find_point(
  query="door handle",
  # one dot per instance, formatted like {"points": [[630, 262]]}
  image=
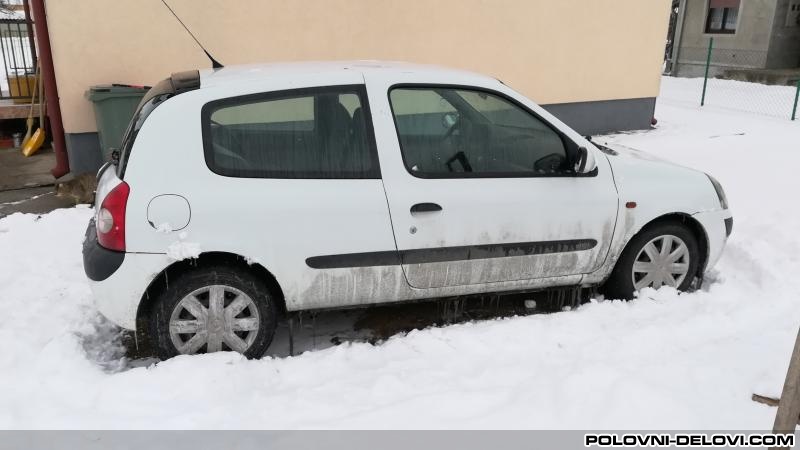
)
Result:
{"points": [[425, 207]]}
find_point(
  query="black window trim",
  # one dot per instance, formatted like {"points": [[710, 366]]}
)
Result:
{"points": [[570, 146], [373, 173]]}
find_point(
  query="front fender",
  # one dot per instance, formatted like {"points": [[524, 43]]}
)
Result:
{"points": [[650, 189]]}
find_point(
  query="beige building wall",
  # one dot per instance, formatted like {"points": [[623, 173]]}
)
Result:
{"points": [[555, 51]]}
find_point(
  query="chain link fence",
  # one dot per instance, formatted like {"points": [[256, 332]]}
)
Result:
{"points": [[775, 93]]}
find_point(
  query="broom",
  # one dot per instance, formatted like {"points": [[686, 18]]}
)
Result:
{"points": [[29, 122]]}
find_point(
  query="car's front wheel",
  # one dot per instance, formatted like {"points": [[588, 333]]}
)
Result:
{"points": [[660, 255], [214, 309]]}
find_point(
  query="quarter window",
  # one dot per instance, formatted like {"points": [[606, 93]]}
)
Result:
{"points": [[310, 133], [452, 132]]}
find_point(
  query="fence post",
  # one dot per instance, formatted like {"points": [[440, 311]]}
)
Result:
{"points": [[796, 95], [708, 63], [789, 405]]}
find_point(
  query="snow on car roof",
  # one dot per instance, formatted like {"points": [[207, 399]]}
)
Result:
{"points": [[244, 72]]}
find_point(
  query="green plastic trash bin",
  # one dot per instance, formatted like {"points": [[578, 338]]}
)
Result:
{"points": [[114, 106]]}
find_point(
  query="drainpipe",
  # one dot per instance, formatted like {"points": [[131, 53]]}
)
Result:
{"points": [[51, 90]]}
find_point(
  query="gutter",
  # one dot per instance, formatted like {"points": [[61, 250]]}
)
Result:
{"points": [[50, 88]]}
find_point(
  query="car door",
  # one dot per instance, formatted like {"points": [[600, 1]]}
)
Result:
{"points": [[481, 190]]}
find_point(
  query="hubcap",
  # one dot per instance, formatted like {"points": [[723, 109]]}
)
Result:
{"points": [[662, 261], [214, 318]]}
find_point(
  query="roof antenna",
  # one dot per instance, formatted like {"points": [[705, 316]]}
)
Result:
{"points": [[214, 63]]}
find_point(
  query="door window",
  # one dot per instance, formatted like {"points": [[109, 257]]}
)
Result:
{"points": [[309, 133], [453, 132]]}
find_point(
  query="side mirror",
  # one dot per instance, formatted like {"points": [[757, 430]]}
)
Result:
{"points": [[584, 161]]}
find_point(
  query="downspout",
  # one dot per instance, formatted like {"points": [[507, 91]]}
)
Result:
{"points": [[50, 88]]}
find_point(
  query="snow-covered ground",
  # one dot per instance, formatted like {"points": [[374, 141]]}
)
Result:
{"points": [[663, 361]]}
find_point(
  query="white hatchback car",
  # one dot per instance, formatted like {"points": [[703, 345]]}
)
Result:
{"points": [[246, 192]]}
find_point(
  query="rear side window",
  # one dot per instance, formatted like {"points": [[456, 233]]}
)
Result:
{"points": [[306, 133]]}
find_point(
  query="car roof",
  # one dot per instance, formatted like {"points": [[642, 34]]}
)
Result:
{"points": [[249, 72]]}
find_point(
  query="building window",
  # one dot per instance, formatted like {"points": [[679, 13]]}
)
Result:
{"points": [[722, 15]]}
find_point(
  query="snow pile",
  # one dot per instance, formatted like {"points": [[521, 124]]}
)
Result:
{"points": [[663, 361], [181, 249]]}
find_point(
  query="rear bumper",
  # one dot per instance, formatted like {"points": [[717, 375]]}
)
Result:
{"points": [[99, 263], [718, 226], [119, 280]]}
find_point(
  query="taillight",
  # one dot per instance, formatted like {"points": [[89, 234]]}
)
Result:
{"points": [[111, 218]]}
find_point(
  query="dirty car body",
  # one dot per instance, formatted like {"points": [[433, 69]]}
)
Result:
{"points": [[346, 184]]}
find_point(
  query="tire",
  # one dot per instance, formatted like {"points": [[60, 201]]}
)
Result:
{"points": [[246, 310], [622, 284]]}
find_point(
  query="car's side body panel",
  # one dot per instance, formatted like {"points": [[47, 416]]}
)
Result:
{"points": [[278, 223], [334, 242], [659, 188], [539, 227]]}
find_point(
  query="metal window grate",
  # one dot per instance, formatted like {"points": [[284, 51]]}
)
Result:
{"points": [[19, 61]]}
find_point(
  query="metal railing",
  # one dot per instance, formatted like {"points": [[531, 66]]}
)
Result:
{"points": [[722, 90], [19, 58]]}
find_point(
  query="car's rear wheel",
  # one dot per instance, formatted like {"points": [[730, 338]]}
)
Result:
{"points": [[214, 309], [660, 255]]}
